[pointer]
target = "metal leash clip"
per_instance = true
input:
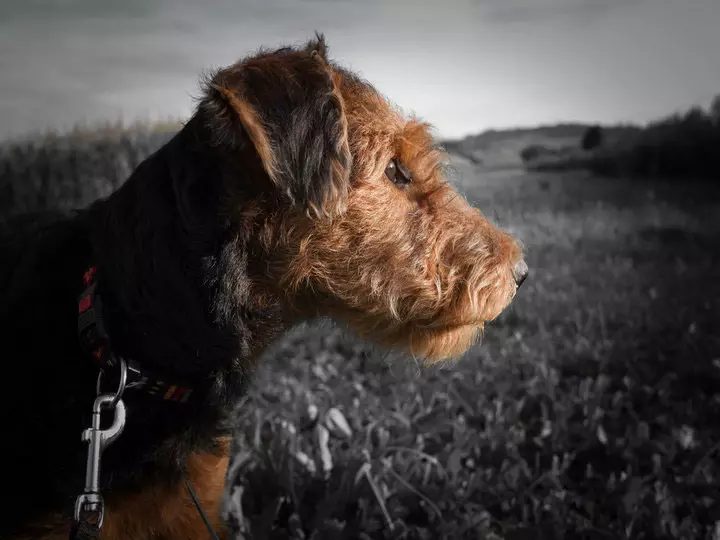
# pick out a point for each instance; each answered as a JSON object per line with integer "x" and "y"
{"x": 90, "y": 503}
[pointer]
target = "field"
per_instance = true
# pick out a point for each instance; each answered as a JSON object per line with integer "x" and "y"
{"x": 500, "y": 149}
{"x": 590, "y": 409}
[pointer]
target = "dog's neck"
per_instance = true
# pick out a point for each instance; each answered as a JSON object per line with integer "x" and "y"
{"x": 173, "y": 276}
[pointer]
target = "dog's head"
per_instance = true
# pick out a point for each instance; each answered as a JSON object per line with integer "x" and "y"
{"x": 342, "y": 202}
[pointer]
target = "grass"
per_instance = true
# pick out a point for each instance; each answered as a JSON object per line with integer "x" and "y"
{"x": 589, "y": 410}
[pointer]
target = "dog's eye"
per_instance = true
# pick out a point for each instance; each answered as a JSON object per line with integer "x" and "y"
{"x": 397, "y": 173}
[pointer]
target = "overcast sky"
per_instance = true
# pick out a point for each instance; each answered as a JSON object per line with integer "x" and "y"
{"x": 463, "y": 65}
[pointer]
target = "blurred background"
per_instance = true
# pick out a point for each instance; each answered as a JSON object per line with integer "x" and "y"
{"x": 588, "y": 128}
{"x": 466, "y": 65}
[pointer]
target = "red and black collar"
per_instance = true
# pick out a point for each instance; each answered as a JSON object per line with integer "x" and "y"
{"x": 95, "y": 340}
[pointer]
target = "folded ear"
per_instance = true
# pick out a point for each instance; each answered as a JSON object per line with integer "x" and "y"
{"x": 291, "y": 110}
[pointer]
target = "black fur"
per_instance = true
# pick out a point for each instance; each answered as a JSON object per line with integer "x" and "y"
{"x": 176, "y": 277}
{"x": 303, "y": 118}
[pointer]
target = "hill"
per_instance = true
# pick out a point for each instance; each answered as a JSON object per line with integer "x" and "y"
{"x": 494, "y": 149}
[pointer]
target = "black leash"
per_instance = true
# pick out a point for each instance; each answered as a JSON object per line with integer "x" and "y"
{"x": 200, "y": 508}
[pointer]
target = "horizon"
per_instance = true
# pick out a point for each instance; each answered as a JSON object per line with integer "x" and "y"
{"x": 100, "y": 125}
{"x": 465, "y": 66}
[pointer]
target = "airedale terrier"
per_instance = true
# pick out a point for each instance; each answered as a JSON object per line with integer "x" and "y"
{"x": 294, "y": 191}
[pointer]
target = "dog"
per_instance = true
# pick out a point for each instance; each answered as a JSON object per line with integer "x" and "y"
{"x": 295, "y": 190}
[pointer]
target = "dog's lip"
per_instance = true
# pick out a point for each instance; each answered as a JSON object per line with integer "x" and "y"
{"x": 453, "y": 325}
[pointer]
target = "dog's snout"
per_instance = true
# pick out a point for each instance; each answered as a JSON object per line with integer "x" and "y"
{"x": 520, "y": 272}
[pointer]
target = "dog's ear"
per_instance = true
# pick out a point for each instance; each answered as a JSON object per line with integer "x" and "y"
{"x": 290, "y": 108}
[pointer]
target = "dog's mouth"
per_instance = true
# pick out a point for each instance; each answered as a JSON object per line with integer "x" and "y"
{"x": 474, "y": 320}
{"x": 442, "y": 325}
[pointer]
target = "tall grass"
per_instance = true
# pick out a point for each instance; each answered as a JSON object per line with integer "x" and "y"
{"x": 71, "y": 170}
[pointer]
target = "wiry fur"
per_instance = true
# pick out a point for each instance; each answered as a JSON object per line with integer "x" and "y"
{"x": 415, "y": 268}
{"x": 268, "y": 208}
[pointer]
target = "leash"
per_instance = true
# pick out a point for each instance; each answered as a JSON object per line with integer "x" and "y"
{"x": 199, "y": 507}
{"x": 89, "y": 510}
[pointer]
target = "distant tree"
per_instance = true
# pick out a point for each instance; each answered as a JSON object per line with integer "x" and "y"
{"x": 532, "y": 152}
{"x": 695, "y": 115}
{"x": 715, "y": 110}
{"x": 592, "y": 139}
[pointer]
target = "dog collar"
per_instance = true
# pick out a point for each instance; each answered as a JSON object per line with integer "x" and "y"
{"x": 94, "y": 339}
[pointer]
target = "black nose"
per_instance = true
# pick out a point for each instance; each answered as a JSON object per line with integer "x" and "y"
{"x": 520, "y": 272}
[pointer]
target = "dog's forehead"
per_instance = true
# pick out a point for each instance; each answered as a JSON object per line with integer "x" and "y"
{"x": 363, "y": 102}
{"x": 371, "y": 114}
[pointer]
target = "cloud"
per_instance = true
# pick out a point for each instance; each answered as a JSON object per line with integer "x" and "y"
{"x": 19, "y": 10}
{"x": 511, "y": 11}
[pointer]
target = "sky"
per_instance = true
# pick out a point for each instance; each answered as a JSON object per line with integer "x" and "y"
{"x": 463, "y": 65}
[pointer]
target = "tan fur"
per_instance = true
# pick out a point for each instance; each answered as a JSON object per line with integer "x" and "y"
{"x": 253, "y": 126}
{"x": 336, "y": 203}
{"x": 167, "y": 511}
{"x": 417, "y": 268}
